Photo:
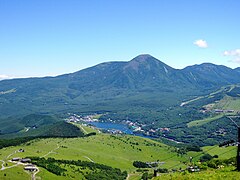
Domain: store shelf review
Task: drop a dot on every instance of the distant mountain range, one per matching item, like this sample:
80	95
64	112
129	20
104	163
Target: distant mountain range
145	71
112	86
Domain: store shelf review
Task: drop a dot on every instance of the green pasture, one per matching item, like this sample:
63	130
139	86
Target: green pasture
204	121
118	151
220	174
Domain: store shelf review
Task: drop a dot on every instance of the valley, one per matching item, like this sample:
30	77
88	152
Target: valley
117	151
119	120
171	105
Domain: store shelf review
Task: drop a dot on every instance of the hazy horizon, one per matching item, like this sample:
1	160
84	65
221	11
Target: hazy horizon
4	77
49	38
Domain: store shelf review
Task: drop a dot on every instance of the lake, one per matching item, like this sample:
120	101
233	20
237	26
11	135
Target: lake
117	126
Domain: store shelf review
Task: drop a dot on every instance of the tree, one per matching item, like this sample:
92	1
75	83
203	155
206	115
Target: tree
205	157
145	176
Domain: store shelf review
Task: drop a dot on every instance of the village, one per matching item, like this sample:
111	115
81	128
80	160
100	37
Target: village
135	127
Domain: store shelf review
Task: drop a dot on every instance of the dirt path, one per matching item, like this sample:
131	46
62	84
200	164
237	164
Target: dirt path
85	132
34	174
11	154
129	175
89	159
3	162
3	168
52	151
192	100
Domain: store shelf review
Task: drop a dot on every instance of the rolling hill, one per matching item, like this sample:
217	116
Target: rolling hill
98	151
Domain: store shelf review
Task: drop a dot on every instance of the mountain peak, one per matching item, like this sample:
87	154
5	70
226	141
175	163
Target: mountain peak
143	58
147	63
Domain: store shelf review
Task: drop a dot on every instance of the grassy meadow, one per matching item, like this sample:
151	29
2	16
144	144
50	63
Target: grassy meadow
220	174
118	151
204	121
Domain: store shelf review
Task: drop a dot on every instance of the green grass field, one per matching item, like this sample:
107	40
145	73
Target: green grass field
15	173
220	174
86	129
229	103
117	151
204	121
222	152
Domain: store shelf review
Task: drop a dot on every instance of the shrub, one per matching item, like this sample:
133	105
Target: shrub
140	164
205	157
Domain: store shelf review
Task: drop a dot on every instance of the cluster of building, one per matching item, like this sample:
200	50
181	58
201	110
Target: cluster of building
77	118
30	167
223	111
27	163
24	160
206	110
137	127
193	169
220	131
114	131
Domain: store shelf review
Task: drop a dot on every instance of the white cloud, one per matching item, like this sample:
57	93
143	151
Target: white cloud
201	43
235	54
3	76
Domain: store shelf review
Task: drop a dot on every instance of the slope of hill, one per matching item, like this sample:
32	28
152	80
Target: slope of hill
143	89
38	125
109	150
211	75
94	88
220	174
213	126
25	123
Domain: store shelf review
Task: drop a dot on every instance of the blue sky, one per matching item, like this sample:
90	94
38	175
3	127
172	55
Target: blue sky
51	37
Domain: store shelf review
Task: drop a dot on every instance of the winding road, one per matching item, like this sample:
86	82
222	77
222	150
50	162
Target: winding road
3	162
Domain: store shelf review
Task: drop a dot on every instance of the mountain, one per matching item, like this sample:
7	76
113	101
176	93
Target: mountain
208	74
142	82
237	69
109	82
144	71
